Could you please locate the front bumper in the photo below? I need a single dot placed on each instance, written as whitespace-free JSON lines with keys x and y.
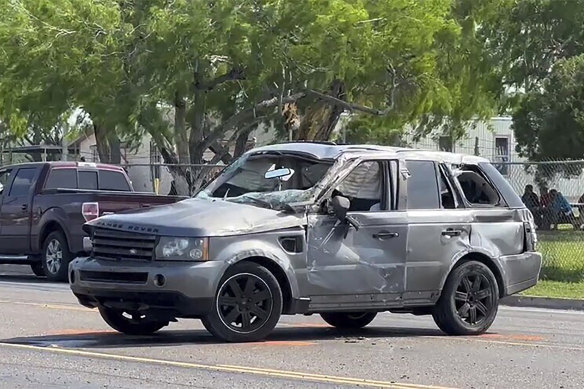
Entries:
{"x":520,"y":271}
{"x":174,"y":289}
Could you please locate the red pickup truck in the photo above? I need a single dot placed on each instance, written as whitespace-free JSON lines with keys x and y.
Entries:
{"x":43,"y":207}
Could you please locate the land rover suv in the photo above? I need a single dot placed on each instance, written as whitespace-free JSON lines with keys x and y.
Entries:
{"x":305,"y":228}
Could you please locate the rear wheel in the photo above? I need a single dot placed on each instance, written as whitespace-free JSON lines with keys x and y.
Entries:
{"x":56,"y":256}
{"x":348,"y":320}
{"x":247,"y":306}
{"x":131,"y":323}
{"x":469,"y":301}
{"x":37,"y":269}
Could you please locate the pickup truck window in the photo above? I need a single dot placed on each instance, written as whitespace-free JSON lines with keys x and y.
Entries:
{"x":87,"y":180}
{"x":22,"y":182}
{"x":62,"y":178}
{"x":111,"y":180}
{"x":4,"y":178}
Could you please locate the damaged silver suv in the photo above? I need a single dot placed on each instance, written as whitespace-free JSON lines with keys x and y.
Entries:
{"x":302,"y":228}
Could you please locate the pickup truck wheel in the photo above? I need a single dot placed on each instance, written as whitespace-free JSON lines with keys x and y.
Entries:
{"x":348,"y":320}
{"x":37,"y":269}
{"x":469,"y":301}
{"x":56,"y":256}
{"x":247,"y":306}
{"x":131,"y":323}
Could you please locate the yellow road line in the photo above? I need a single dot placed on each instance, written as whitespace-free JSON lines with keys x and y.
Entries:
{"x":228,"y":368}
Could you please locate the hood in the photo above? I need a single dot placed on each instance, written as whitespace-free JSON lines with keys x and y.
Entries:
{"x":197,"y":217}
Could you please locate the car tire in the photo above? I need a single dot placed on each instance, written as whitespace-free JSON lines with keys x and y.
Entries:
{"x":348,"y":320}
{"x":38,"y":269}
{"x":56,"y":256}
{"x":247,"y":304}
{"x":469,"y":301}
{"x":137,"y":324}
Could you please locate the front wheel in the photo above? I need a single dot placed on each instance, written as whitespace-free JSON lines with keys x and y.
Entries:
{"x":131,"y":323}
{"x":346,"y":321}
{"x":247,"y":305}
{"x":469,"y":301}
{"x":37,"y":269}
{"x":56,"y":256}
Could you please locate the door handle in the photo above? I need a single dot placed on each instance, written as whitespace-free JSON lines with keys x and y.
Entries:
{"x":451,"y":232}
{"x":24,"y":207}
{"x":385,"y":235}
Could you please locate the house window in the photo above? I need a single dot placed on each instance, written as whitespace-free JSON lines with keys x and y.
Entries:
{"x":502,"y":154}
{"x":445,"y":144}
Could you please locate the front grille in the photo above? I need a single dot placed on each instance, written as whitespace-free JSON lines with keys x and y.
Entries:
{"x":118,"y":245}
{"x":102,"y":276}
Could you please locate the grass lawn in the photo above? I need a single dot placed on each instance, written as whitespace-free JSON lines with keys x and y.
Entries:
{"x":558,"y":289}
{"x":562,"y":272}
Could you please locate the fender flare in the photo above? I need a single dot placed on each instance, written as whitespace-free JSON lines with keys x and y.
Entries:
{"x":51,"y":216}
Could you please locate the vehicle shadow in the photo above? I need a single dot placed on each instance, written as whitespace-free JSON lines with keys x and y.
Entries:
{"x":202,"y":337}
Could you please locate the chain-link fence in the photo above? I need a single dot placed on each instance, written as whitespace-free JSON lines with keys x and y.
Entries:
{"x":554,"y":192}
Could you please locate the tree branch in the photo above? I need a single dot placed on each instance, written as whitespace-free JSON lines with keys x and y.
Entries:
{"x":236,"y":73}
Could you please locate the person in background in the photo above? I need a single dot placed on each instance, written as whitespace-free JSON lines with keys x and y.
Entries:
{"x":561,"y":210}
{"x":531,"y":201}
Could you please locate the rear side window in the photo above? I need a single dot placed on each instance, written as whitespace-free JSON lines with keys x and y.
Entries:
{"x":22,"y":182}
{"x":4,"y":179}
{"x":422,"y":185}
{"x":112,"y":180}
{"x":62,"y":178}
{"x":87,"y":179}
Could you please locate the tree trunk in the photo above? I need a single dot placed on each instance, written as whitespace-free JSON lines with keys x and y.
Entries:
{"x":101,"y":142}
{"x":180,"y":129}
{"x":321,"y":118}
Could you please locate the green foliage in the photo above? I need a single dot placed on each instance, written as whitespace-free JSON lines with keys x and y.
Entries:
{"x":550,"y":123}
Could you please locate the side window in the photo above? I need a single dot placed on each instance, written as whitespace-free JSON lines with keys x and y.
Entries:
{"x":4,"y":180}
{"x":62,"y":178}
{"x":87,"y":179}
{"x":112,"y":180}
{"x":476,"y":189}
{"x":422,"y":185}
{"x":446,"y":195}
{"x":363,"y":187}
{"x":22,"y":182}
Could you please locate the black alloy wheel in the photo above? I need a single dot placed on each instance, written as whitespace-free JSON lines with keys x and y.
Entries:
{"x":469,"y":301}
{"x":248,"y":304}
{"x":472,"y":298}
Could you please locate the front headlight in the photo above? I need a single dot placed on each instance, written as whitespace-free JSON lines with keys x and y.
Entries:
{"x":182,"y":249}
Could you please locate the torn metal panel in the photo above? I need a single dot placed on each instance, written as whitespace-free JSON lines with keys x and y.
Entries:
{"x":343,"y":261}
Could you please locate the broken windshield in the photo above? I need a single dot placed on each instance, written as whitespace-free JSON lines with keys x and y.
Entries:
{"x":275,"y":179}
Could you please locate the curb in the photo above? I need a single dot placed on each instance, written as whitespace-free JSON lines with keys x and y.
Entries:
{"x":543,"y":302}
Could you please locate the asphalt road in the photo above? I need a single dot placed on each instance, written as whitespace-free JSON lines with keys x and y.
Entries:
{"x":48,"y":340}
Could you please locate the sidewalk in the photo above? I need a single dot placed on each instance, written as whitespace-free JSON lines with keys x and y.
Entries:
{"x":543,"y":302}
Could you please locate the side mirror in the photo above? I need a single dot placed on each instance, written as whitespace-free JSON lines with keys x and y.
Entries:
{"x":340,"y":206}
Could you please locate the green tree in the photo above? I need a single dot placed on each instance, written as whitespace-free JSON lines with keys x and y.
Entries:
{"x":550,"y":123}
{"x":191,"y":73}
